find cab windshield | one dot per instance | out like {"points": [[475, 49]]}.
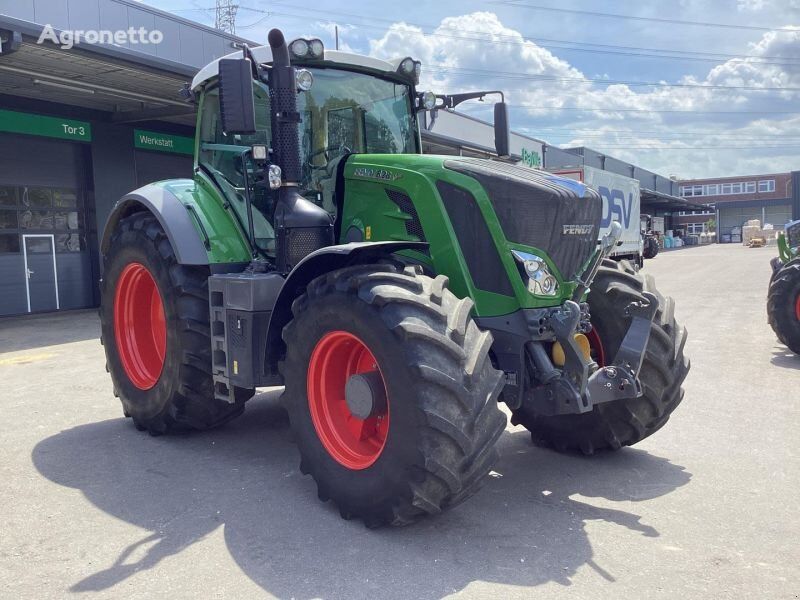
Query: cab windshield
{"points": [[344, 112]]}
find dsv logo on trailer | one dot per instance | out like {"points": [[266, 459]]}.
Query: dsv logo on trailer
{"points": [[615, 207]]}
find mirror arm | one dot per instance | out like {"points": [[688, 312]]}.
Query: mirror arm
{"points": [[453, 100], [259, 72]]}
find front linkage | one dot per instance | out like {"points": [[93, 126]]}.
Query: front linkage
{"points": [[580, 383]]}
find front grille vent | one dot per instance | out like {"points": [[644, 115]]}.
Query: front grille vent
{"points": [[406, 205]]}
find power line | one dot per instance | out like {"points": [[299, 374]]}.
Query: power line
{"points": [[516, 75], [651, 110], [518, 4], [633, 134], [686, 148], [547, 43]]}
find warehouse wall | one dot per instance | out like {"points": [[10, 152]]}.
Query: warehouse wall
{"points": [[184, 42]]}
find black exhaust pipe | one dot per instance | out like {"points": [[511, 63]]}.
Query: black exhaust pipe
{"points": [[301, 226], [284, 118]]}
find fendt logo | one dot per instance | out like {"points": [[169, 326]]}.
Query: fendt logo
{"points": [[573, 229], [615, 207]]}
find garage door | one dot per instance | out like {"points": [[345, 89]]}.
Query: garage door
{"points": [[735, 216], [156, 166], [779, 215], [44, 262]]}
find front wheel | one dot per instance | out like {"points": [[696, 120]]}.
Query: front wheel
{"points": [[391, 394], [783, 305], [613, 425]]}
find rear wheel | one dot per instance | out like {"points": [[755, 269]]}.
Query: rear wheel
{"points": [[155, 329], [621, 423], [650, 247], [783, 305], [391, 393]]}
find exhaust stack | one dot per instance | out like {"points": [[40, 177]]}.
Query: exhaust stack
{"points": [[300, 225]]}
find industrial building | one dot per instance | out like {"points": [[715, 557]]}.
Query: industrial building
{"points": [[773, 198], [79, 127]]}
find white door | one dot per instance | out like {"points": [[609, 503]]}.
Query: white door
{"points": [[41, 275]]}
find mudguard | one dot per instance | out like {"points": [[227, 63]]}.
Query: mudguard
{"points": [[312, 266], [173, 216]]}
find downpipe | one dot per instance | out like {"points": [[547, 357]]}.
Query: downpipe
{"points": [[581, 383]]}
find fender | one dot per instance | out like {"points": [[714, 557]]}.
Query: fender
{"points": [[312, 266], [171, 213]]}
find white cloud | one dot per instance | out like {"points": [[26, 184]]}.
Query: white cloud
{"points": [[478, 51], [750, 5]]}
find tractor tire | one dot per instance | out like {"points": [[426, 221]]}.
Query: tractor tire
{"points": [[621, 423], [783, 305], [650, 248], [155, 329], [427, 439]]}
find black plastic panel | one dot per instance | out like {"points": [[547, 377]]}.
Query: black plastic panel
{"points": [[406, 205], [533, 209], [475, 240]]}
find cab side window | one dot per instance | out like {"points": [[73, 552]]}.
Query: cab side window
{"points": [[225, 158]]}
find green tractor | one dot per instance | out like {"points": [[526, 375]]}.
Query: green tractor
{"points": [[783, 297], [397, 296]]}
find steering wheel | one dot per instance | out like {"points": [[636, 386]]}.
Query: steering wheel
{"points": [[324, 151]]}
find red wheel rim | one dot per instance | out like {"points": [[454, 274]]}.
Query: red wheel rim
{"points": [[797, 307], [139, 326], [352, 442], [596, 347]]}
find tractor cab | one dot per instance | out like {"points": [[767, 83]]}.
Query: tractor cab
{"points": [[345, 104]]}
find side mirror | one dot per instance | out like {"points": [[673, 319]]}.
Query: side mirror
{"points": [[236, 96], [502, 135]]}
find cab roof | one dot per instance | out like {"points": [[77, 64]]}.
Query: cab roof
{"points": [[263, 54]]}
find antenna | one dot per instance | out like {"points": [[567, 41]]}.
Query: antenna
{"points": [[226, 16]]}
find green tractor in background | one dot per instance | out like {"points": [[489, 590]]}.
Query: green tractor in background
{"points": [[783, 297], [398, 297]]}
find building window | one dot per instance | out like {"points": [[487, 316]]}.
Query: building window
{"points": [[695, 228], [57, 211], [727, 189]]}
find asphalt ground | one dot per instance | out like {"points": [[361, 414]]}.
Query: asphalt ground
{"points": [[705, 508]]}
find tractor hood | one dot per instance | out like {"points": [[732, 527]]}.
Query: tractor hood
{"points": [[554, 214]]}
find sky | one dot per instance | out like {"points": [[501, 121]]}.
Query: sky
{"points": [[690, 88]]}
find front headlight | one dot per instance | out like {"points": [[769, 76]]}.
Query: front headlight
{"points": [[540, 281]]}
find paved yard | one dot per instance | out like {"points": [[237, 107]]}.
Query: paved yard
{"points": [[706, 508]]}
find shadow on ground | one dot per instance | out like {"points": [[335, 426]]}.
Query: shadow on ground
{"points": [[52, 329], [523, 528], [783, 357]]}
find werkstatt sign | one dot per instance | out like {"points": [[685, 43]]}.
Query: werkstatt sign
{"points": [[163, 142], [65, 129]]}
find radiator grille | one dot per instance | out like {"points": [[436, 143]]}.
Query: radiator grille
{"points": [[538, 209], [474, 239]]}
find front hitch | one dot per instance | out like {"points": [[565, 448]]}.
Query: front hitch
{"points": [[572, 390], [620, 381]]}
